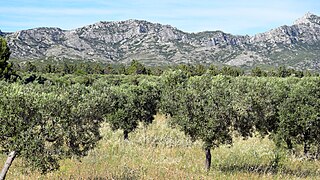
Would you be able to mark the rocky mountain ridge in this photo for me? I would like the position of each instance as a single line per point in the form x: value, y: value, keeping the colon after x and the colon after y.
x: 295, y: 46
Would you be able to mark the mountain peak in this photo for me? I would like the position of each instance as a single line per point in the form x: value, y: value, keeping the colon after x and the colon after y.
x: 308, y: 18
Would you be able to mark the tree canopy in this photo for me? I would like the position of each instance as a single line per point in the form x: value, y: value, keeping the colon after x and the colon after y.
x: 6, y: 69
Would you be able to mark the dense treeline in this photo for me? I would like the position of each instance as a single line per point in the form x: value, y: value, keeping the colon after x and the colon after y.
x: 135, y: 67
x: 121, y: 73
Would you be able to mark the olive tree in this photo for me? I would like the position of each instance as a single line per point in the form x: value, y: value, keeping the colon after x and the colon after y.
x: 173, y: 84
x: 300, y: 116
x: 43, y: 125
x: 242, y: 103
x: 256, y: 103
x: 133, y: 104
x: 202, y: 110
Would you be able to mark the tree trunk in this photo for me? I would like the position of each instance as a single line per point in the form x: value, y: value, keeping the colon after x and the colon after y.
x: 145, y: 134
x: 318, y: 152
x: 125, y: 135
x: 306, y: 146
x: 289, y: 144
x: 7, y: 165
x: 306, y: 149
x: 208, y: 159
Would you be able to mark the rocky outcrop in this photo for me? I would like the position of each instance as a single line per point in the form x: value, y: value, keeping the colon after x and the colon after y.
x: 304, y: 30
x: 296, y: 46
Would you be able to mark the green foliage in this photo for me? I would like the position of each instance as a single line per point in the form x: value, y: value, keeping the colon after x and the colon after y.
x: 44, y: 124
x: 210, y: 107
x: 136, y: 68
x: 242, y: 104
x: 173, y: 86
x: 231, y: 71
x: 6, y: 70
x: 35, y: 78
x: 4, y: 51
x: 192, y: 70
x: 56, y: 117
x: 82, y: 67
x: 200, y: 107
x: 256, y: 102
x: 300, y: 116
x: 213, y: 70
x: 258, y: 72
x: 29, y: 67
x: 133, y: 104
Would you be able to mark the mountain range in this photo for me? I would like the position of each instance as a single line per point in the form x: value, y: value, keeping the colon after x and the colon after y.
x: 295, y: 46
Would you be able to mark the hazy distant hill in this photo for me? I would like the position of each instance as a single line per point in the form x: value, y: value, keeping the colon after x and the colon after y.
x: 295, y: 46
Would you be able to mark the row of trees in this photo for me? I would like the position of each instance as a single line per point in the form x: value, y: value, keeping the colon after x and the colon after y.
x: 135, y: 67
x: 60, y: 121
x: 45, y: 123
x: 82, y: 68
x: 213, y: 108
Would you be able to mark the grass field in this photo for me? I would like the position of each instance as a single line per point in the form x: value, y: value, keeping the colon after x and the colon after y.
x: 159, y: 152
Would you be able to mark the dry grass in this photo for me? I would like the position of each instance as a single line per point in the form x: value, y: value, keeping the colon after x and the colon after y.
x: 159, y: 152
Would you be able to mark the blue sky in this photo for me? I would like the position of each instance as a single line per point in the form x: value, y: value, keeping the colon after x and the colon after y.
x: 231, y: 16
